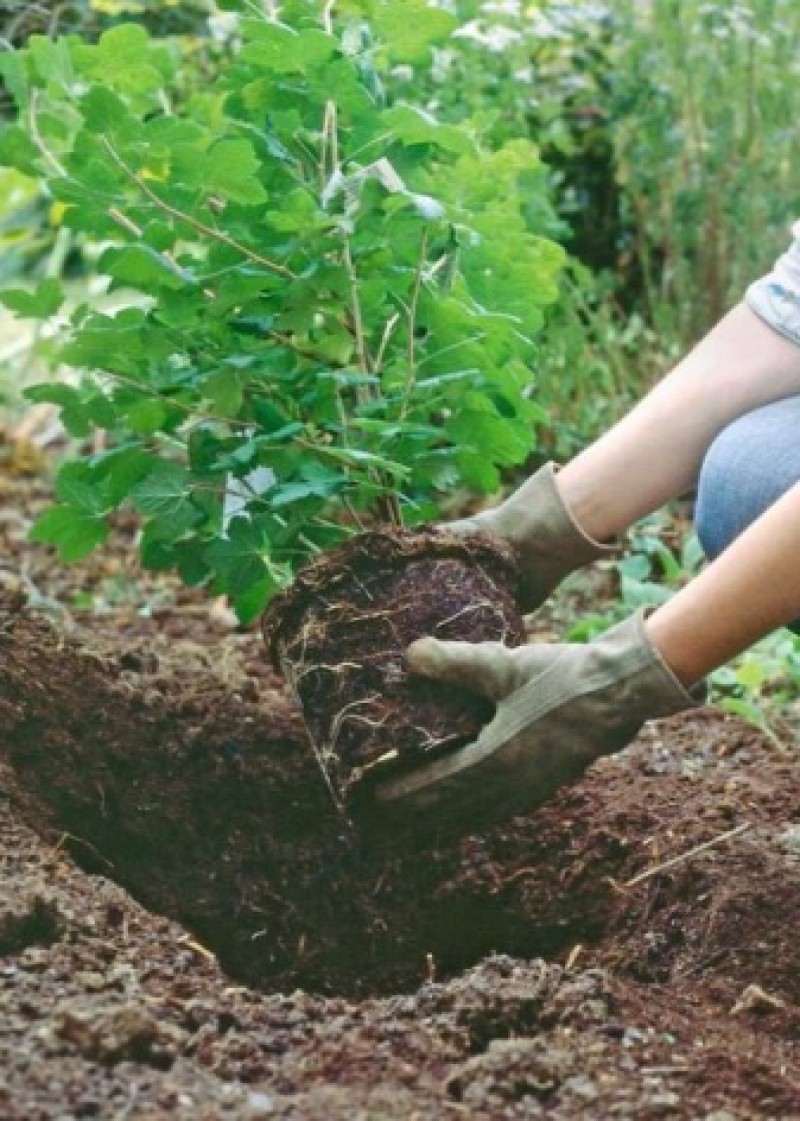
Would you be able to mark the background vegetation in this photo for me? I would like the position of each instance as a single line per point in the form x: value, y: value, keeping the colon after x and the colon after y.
x: 668, y: 146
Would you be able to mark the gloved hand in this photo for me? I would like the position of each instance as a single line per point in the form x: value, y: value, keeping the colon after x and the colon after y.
x: 542, y: 533
x: 559, y: 708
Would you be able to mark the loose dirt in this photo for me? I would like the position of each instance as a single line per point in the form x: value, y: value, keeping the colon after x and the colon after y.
x: 188, y: 930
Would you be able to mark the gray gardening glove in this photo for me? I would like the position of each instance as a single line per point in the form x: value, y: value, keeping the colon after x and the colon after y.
x: 559, y: 708
x: 542, y: 533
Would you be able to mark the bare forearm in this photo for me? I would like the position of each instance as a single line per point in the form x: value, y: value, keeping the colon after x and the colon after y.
x: 750, y: 590
x: 654, y: 454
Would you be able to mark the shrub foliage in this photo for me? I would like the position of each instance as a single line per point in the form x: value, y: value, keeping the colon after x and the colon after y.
x: 317, y: 290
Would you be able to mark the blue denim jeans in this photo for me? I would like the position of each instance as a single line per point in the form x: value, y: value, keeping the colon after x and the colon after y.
x: 749, y: 466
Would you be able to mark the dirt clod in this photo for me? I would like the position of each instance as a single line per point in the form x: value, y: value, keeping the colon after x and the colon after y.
x: 117, y: 1034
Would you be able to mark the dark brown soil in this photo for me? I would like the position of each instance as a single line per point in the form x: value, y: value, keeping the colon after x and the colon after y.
x: 556, y: 967
x: 340, y: 633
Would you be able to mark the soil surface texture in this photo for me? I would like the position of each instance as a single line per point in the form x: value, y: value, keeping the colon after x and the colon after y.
x: 189, y: 929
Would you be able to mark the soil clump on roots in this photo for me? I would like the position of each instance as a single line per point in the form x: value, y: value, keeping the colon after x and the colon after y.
x: 340, y: 632
x: 187, y: 932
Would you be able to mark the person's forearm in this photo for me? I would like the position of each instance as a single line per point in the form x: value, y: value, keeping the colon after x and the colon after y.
x: 654, y: 454
x: 750, y: 590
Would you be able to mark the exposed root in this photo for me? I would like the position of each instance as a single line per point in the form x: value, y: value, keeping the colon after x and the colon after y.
x: 341, y: 633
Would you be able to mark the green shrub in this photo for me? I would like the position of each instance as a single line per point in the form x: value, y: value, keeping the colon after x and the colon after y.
x: 329, y: 296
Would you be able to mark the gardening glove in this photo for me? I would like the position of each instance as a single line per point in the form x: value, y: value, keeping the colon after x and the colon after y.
x: 559, y: 708
x: 543, y: 535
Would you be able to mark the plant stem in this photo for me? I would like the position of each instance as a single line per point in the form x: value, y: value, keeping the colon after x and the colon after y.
x: 413, y: 307
x: 195, y: 223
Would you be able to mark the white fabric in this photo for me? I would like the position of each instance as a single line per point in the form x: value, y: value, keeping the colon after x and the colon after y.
x: 775, y: 298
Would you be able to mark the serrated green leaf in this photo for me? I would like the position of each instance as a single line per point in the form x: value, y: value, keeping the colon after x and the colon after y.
x: 170, y: 527
x: 125, y: 59
x: 165, y: 491
x: 498, y: 440
x: 75, y: 488
x: 280, y: 49
x: 239, y: 557
x: 72, y: 531
x: 231, y: 170
x: 120, y: 469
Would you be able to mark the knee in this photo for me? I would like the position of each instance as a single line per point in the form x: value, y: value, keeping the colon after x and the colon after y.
x: 752, y: 462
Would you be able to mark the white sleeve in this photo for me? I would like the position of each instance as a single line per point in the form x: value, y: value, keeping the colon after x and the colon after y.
x: 775, y: 298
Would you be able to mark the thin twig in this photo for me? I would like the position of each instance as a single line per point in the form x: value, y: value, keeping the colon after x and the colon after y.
x: 737, y: 832
x: 195, y: 223
x: 411, y: 357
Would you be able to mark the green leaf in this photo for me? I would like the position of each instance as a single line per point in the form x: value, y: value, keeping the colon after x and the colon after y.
x: 173, y: 526
x: 142, y: 267
x: 494, y: 438
x: 250, y: 603
x: 40, y: 304
x: 231, y: 170
x: 361, y: 458
x: 288, y: 493
x: 75, y: 487
x: 146, y: 416
x: 751, y: 674
x: 411, y: 28
x: 119, y: 470
x: 239, y: 557
x: 126, y: 60
x: 224, y: 392
x: 165, y: 491
x: 55, y: 394
x: 15, y: 77
x: 283, y: 50
x: 71, y: 530
x: 411, y: 125
x: 18, y: 150
x: 103, y: 111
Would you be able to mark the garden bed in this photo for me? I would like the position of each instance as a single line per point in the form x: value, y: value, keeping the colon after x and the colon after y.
x: 190, y: 930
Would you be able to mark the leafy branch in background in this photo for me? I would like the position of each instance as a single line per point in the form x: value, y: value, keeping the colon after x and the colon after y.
x: 313, y: 283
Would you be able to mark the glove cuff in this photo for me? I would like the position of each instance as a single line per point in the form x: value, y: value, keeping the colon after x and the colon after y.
x: 547, y: 540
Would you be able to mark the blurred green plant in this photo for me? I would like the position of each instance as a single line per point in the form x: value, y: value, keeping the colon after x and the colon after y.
x: 669, y: 131
x: 663, y: 554
x: 329, y: 296
x: 20, y: 19
x: 705, y: 108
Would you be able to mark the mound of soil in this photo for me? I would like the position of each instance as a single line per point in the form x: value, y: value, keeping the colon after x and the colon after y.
x: 339, y: 636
